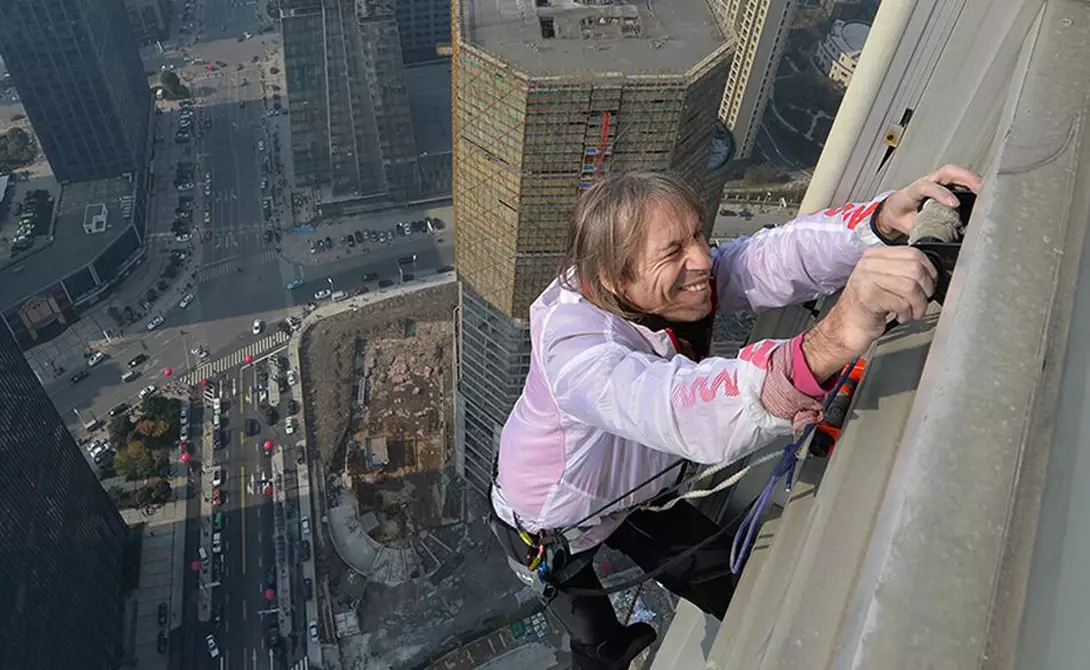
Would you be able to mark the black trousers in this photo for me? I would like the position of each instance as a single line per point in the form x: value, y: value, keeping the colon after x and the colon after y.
x: 650, y: 539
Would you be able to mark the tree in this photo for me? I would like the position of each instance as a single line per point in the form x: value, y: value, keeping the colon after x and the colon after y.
x: 16, y: 150
x: 135, y: 461
x: 152, y: 427
x: 169, y: 80
x: 119, y: 429
x: 160, y: 408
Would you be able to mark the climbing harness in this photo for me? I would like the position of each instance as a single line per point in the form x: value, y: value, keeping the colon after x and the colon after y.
x: 548, y: 560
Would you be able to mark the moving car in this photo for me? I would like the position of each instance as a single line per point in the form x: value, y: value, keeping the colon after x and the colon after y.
x: 304, y: 524
x: 290, y: 425
x: 257, y: 327
x: 370, y: 276
x: 213, y: 648
x: 95, y: 359
x: 291, y: 377
x: 186, y: 300
x: 163, y: 611
x: 161, y: 644
x: 137, y: 360
x: 148, y: 390
x: 261, y: 145
x: 119, y: 408
x: 323, y: 294
x: 155, y: 323
x: 300, y: 453
x: 294, y: 284
x: 79, y: 376
x: 217, y: 543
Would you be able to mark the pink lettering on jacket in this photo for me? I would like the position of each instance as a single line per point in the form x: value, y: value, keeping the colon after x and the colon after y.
x: 758, y: 353
x: 852, y: 214
x: 685, y: 395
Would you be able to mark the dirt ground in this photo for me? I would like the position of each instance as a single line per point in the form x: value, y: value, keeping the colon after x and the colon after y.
x: 379, y: 406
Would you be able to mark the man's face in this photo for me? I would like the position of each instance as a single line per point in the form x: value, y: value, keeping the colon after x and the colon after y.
x: 673, y: 276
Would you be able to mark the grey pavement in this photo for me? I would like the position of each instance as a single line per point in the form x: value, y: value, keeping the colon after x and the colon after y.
x: 162, y: 562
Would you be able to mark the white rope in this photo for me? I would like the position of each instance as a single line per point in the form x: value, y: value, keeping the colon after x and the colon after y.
x: 726, y: 483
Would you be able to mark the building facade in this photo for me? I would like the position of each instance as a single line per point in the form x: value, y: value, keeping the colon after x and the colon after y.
x: 423, y: 25
x: 61, y: 538
x: 838, y: 54
x: 760, y: 30
x: 148, y: 19
x: 78, y: 72
x: 546, y: 100
x: 351, y: 127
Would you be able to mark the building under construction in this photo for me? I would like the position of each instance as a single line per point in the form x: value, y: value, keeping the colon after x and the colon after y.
x: 549, y: 96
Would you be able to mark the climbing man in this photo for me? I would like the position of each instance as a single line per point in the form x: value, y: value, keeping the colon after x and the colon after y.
x: 621, y: 383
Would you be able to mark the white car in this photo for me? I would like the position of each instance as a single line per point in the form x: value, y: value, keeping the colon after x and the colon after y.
x: 95, y: 359
x: 217, y: 543
x: 304, y: 524
x: 155, y: 323
x: 148, y: 390
x: 183, y: 432
x: 323, y: 294
x: 289, y: 425
x: 183, y: 414
x: 261, y: 145
x: 313, y: 631
x: 258, y: 326
x: 217, y: 477
x: 213, y: 648
x: 187, y: 299
x: 291, y: 377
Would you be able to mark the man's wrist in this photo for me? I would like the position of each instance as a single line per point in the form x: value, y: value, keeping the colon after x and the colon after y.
x: 887, y: 234
x: 824, y: 356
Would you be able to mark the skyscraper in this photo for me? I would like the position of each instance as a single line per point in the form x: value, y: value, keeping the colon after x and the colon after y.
x: 549, y: 96
x: 760, y: 28
x: 60, y: 537
x: 351, y: 129
x: 78, y: 72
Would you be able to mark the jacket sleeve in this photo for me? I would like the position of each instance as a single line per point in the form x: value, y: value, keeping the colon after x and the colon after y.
x: 804, y: 259
x: 709, y: 412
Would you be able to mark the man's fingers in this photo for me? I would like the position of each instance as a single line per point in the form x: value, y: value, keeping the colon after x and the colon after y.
x: 937, y: 192
x: 909, y: 261
x: 955, y: 174
x: 909, y: 296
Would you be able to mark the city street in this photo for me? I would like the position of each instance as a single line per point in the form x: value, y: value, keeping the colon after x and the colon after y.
x: 247, y: 536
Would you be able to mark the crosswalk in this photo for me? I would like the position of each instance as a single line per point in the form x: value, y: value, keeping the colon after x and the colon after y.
x: 230, y: 265
x: 235, y: 358
x: 304, y: 664
x: 235, y: 238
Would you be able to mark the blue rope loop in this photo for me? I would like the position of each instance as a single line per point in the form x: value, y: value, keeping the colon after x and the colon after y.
x: 785, y: 469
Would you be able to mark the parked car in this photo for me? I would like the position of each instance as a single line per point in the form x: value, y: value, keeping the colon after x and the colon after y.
x: 119, y: 408
x: 385, y: 283
x: 186, y: 300
x: 290, y: 425
x: 155, y: 323
x: 359, y: 236
x: 213, y: 648
x: 164, y: 610
x: 95, y: 358
x: 304, y: 525
x: 79, y: 376
x: 304, y: 550
x: 323, y: 294
x: 313, y: 631
x: 294, y: 284
x: 162, y: 642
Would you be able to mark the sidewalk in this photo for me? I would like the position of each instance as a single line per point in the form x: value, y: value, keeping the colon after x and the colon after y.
x: 162, y: 566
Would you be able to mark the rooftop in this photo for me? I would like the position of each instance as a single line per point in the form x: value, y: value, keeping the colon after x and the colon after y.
x: 71, y: 248
x: 562, y: 37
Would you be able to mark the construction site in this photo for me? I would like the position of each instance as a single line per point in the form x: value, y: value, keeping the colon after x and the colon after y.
x: 409, y: 570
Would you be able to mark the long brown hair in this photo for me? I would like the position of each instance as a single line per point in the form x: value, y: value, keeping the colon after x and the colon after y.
x: 607, y: 232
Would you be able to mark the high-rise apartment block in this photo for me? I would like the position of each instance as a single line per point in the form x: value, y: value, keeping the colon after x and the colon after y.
x: 423, y: 25
x: 78, y: 72
x: 351, y: 128
x: 61, y: 538
x: 760, y: 28
x: 548, y: 97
